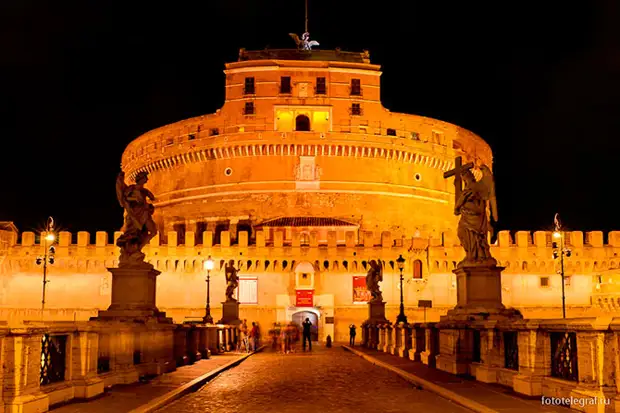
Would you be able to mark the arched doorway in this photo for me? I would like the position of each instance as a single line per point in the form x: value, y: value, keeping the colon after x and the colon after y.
x: 302, y: 123
x: 301, y: 316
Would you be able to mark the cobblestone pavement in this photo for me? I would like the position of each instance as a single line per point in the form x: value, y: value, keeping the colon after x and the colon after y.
x: 325, y: 381
x: 125, y: 397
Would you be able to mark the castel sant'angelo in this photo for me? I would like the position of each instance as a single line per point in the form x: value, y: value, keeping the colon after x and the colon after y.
x: 302, y: 177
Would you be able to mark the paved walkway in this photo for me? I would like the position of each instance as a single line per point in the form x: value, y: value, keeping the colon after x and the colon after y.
x: 492, y: 396
x: 123, y: 398
x: 324, y: 380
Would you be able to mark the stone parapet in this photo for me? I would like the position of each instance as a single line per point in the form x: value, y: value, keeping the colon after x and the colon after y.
x: 95, y: 354
x: 523, y: 257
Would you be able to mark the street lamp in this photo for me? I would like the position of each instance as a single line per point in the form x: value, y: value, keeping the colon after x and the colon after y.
x: 208, y: 265
x: 402, y: 318
x: 48, y: 255
x: 560, y: 252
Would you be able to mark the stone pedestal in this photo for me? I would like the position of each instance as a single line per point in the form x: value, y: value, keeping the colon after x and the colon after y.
x: 479, y: 295
x: 479, y: 298
x: 376, y: 312
x: 133, y: 295
x: 230, y: 313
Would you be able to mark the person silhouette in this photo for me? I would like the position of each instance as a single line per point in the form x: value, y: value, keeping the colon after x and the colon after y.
x: 306, y: 333
x: 352, y: 335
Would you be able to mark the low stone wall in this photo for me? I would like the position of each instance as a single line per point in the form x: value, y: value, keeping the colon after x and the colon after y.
x: 46, y: 363
x: 575, y: 359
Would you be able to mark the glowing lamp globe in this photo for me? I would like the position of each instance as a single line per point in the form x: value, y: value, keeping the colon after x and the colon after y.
x: 208, y: 265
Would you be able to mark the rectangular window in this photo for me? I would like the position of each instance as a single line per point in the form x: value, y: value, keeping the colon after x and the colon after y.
x: 391, y: 132
x: 249, y: 108
x: 249, y: 86
x: 214, y: 132
x: 417, y: 270
x: 247, y: 292
x: 415, y: 136
x: 321, y: 88
x: 567, y: 281
x: 544, y: 281
x: 437, y: 138
x: 356, y: 109
x: 356, y: 87
x: 285, y: 84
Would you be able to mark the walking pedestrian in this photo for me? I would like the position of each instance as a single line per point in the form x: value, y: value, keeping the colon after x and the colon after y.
x: 275, y: 332
x: 240, y: 338
x: 254, y: 336
x: 352, y: 334
x: 283, y: 335
x: 244, y: 336
x: 307, y: 325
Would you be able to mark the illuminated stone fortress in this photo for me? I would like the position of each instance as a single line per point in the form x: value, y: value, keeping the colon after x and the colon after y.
x: 302, y: 177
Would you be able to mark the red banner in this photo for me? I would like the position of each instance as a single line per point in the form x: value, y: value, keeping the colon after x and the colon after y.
x: 360, y: 293
x: 305, y: 298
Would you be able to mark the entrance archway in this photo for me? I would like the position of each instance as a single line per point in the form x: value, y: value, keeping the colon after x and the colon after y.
x: 301, y: 316
x: 302, y: 123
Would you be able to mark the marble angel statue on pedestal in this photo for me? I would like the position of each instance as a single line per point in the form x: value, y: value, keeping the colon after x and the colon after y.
x: 475, y: 205
x: 373, y: 277
x: 139, y: 227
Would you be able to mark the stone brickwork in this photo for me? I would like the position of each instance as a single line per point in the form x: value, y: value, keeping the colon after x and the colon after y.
x: 362, y: 163
x: 219, y: 178
x: 81, y: 283
x: 132, y: 350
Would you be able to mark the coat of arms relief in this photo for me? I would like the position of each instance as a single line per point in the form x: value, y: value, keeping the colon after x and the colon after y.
x: 307, y: 173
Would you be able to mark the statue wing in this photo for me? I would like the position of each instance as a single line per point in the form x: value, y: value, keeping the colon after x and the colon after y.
x: 296, y: 38
x: 120, y: 189
x: 488, y: 184
x: 313, y: 43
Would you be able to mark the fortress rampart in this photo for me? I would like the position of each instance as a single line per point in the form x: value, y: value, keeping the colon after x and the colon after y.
x: 526, y: 253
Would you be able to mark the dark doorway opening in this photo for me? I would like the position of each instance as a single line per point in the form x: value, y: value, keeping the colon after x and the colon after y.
x: 201, y: 228
x: 217, y: 238
x: 301, y: 316
x: 302, y: 123
x: 180, y: 230
x: 244, y: 226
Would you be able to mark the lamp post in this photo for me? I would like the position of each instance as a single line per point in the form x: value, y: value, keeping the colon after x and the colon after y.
x: 48, y: 255
x: 402, y: 318
x: 560, y: 252
x: 208, y: 265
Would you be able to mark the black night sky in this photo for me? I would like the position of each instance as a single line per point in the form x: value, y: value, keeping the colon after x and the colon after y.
x: 539, y: 81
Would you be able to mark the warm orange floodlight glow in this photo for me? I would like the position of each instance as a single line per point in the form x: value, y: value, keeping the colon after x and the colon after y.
x: 208, y: 264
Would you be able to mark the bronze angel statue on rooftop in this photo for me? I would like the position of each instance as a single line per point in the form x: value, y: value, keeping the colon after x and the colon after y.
x: 476, y: 205
x: 373, y: 277
x: 304, y: 43
x: 139, y: 227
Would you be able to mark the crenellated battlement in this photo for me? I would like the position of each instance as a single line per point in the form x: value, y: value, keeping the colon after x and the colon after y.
x: 540, y: 239
x: 525, y: 252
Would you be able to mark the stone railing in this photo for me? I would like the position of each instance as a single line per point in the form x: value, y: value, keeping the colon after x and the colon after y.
x: 572, y: 359
x: 45, y: 364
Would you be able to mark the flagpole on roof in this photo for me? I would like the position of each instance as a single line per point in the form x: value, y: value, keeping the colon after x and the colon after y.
x: 306, y: 16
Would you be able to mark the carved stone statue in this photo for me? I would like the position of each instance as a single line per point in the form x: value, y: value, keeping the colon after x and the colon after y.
x: 373, y: 277
x: 139, y: 227
x: 476, y: 204
x: 232, y: 280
